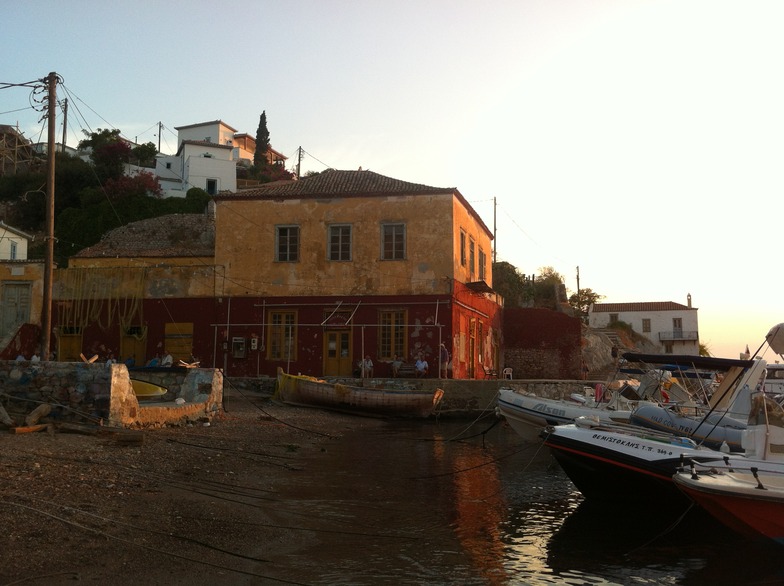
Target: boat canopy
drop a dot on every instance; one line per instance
(688, 361)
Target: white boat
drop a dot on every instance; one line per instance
(723, 418)
(748, 499)
(529, 414)
(613, 461)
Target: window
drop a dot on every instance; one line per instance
(212, 186)
(392, 334)
(471, 258)
(482, 264)
(168, 165)
(282, 335)
(287, 244)
(646, 325)
(613, 318)
(462, 248)
(393, 241)
(13, 251)
(340, 242)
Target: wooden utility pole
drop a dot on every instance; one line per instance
(495, 241)
(299, 162)
(46, 318)
(160, 128)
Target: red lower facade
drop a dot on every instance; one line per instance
(320, 336)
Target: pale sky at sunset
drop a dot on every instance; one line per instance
(642, 141)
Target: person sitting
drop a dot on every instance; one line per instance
(154, 361)
(167, 359)
(367, 367)
(421, 366)
(396, 364)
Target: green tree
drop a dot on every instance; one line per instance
(262, 142)
(546, 287)
(581, 302)
(144, 154)
(508, 281)
(108, 152)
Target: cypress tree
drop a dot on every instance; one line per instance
(262, 142)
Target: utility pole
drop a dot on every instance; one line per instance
(160, 127)
(65, 123)
(46, 318)
(299, 161)
(495, 242)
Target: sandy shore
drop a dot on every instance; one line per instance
(189, 505)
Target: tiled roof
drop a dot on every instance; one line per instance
(641, 306)
(338, 183)
(183, 235)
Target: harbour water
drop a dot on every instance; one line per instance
(469, 503)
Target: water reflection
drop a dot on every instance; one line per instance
(434, 503)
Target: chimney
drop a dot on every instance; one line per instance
(688, 300)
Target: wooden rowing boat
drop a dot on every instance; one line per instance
(313, 392)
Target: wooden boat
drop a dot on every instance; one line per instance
(147, 390)
(313, 392)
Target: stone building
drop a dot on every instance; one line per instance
(307, 275)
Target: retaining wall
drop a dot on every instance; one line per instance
(103, 394)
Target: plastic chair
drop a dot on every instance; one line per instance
(507, 372)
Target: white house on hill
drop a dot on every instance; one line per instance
(671, 325)
(204, 159)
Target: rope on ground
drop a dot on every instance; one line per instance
(149, 548)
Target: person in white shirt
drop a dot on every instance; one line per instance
(167, 359)
(366, 366)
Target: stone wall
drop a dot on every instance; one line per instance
(95, 393)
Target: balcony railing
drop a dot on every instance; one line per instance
(678, 335)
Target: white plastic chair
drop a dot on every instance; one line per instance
(507, 372)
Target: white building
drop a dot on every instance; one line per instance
(13, 243)
(204, 159)
(671, 325)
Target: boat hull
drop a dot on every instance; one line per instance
(735, 500)
(303, 390)
(608, 464)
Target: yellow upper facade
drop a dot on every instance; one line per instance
(349, 232)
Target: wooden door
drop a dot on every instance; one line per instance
(337, 353)
(179, 341)
(16, 307)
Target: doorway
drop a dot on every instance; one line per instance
(337, 353)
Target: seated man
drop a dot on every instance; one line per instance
(396, 364)
(421, 366)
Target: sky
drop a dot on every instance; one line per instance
(638, 143)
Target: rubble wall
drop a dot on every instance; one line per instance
(101, 394)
